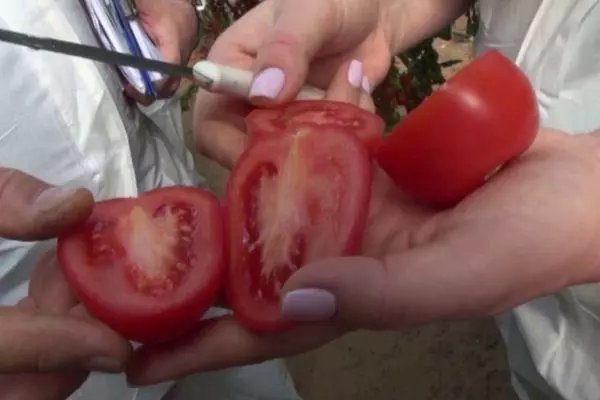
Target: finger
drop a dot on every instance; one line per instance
(219, 128)
(346, 85)
(221, 343)
(167, 88)
(438, 280)
(33, 210)
(33, 342)
(48, 287)
(50, 386)
(347, 291)
(27, 304)
(299, 32)
(143, 99)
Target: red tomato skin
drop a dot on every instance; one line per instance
(258, 314)
(163, 318)
(274, 122)
(483, 117)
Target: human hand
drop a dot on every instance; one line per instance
(290, 43)
(46, 345)
(63, 362)
(172, 26)
(530, 231)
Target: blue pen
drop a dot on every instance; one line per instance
(131, 41)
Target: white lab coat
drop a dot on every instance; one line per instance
(66, 121)
(553, 342)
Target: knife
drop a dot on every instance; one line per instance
(209, 75)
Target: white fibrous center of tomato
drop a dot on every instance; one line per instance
(325, 117)
(153, 244)
(282, 213)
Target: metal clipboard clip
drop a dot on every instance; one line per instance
(130, 11)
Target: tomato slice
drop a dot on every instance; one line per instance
(291, 200)
(274, 122)
(149, 267)
(483, 117)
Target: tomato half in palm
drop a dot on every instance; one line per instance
(291, 200)
(148, 267)
(274, 122)
(483, 117)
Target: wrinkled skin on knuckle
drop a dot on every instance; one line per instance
(9, 178)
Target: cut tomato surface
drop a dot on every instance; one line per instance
(148, 267)
(292, 200)
(274, 122)
(483, 117)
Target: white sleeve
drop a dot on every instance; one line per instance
(58, 122)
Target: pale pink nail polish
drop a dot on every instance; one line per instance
(308, 305)
(268, 83)
(355, 73)
(366, 85)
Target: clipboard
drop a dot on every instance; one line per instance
(115, 24)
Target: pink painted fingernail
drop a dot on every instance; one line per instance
(308, 305)
(268, 83)
(355, 73)
(53, 197)
(366, 85)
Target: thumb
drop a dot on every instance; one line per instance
(349, 291)
(32, 342)
(282, 61)
(33, 210)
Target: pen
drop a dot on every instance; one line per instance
(210, 76)
(224, 79)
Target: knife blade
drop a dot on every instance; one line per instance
(210, 76)
(94, 53)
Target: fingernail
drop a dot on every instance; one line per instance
(308, 305)
(53, 197)
(268, 83)
(355, 73)
(366, 85)
(104, 364)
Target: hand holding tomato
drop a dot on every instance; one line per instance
(530, 231)
(65, 338)
(46, 332)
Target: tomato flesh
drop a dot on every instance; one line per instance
(149, 267)
(483, 117)
(274, 122)
(292, 200)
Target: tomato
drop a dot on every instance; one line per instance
(483, 117)
(291, 200)
(274, 122)
(148, 267)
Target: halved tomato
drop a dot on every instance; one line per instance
(291, 200)
(148, 267)
(483, 117)
(274, 122)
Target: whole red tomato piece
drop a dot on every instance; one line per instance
(292, 199)
(483, 117)
(148, 267)
(274, 122)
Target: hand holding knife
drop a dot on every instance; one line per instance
(210, 76)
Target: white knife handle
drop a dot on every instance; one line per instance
(232, 81)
